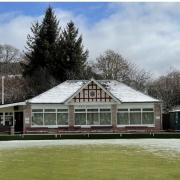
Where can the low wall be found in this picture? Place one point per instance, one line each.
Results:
(96, 129)
(89, 136)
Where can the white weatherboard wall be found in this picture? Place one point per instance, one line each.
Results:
(136, 105)
(48, 106)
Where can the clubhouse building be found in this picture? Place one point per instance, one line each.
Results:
(84, 106)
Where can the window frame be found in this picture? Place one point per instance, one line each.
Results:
(87, 110)
(144, 110)
(135, 110)
(122, 110)
(48, 111)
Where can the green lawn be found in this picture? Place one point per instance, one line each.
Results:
(89, 162)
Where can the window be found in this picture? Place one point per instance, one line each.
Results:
(105, 116)
(135, 116)
(9, 119)
(62, 110)
(62, 117)
(122, 117)
(80, 116)
(37, 110)
(1, 119)
(37, 119)
(49, 118)
(50, 110)
(147, 116)
(92, 117)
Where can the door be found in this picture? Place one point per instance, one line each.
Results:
(18, 122)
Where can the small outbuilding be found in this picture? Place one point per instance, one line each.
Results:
(174, 118)
(84, 105)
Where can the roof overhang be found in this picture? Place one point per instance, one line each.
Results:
(13, 104)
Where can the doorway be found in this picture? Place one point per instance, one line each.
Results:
(18, 116)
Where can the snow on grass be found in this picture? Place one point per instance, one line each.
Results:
(171, 147)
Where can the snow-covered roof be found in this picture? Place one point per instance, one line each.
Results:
(58, 94)
(125, 93)
(67, 89)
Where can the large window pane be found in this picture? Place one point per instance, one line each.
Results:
(148, 109)
(49, 119)
(37, 110)
(62, 110)
(135, 109)
(92, 110)
(135, 118)
(80, 119)
(92, 119)
(122, 118)
(80, 110)
(105, 110)
(105, 118)
(148, 118)
(1, 119)
(49, 110)
(8, 120)
(37, 119)
(62, 118)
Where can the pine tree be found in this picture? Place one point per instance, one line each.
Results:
(73, 54)
(41, 49)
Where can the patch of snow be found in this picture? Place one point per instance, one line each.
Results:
(170, 146)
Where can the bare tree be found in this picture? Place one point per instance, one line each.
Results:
(9, 54)
(9, 59)
(112, 65)
(166, 88)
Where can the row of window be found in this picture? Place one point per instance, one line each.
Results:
(93, 116)
(98, 116)
(135, 116)
(49, 117)
(6, 119)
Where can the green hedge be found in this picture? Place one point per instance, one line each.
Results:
(87, 136)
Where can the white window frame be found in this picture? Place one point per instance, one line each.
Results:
(56, 112)
(141, 110)
(150, 112)
(118, 112)
(86, 112)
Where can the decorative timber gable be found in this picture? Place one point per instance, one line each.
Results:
(92, 92)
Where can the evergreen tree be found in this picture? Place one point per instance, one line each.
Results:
(41, 50)
(73, 54)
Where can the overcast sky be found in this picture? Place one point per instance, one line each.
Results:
(147, 34)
